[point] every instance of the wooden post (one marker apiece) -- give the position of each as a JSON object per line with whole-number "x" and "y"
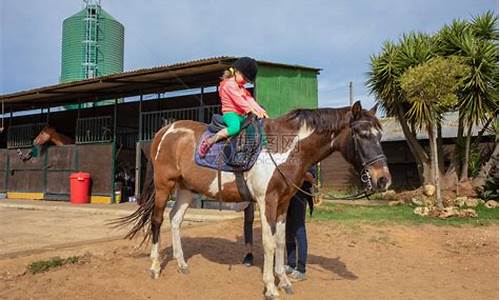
{"x": 138, "y": 155}
{"x": 201, "y": 110}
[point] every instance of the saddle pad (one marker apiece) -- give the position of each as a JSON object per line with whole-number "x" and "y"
{"x": 219, "y": 152}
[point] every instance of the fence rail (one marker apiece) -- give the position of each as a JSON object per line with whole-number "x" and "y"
{"x": 20, "y": 136}
{"x": 152, "y": 121}
{"x": 94, "y": 130}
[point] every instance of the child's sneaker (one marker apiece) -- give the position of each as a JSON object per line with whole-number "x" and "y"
{"x": 297, "y": 276}
{"x": 204, "y": 148}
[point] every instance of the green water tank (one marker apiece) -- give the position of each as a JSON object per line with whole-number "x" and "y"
{"x": 107, "y": 37}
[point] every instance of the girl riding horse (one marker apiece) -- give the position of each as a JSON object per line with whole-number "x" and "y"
{"x": 236, "y": 101}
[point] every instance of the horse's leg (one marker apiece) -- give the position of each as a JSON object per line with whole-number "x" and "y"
{"x": 279, "y": 264}
{"x": 182, "y": 200}
{"x": 269, "y": 245}
{"x": 161, "y": 197}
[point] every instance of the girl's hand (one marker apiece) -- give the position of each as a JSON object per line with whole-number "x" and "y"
{"x": 257, "y": 113}
{"x": 264, "y": 114}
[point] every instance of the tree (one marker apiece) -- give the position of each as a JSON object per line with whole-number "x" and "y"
{"x": 383, "y": 81}
{"x": 477, "y": 43}
{"x": 431, "y": 90}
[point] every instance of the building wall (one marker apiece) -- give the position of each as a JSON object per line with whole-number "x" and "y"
{"x": 281, "y": 89}
{"x": 337, "y": 174}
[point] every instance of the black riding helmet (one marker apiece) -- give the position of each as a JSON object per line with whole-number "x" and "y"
{"x": 247, "y": 66}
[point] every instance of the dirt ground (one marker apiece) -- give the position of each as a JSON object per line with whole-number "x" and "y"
{"x": 345, "y": 262}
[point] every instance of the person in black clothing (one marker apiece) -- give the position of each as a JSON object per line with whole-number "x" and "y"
{"x": 296, "y": 237}
{"x": 248, "y": 233}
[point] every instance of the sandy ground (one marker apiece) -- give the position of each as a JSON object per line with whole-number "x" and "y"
{"x": 345, "y": 262}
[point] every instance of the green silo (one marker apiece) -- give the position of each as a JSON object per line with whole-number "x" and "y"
{"x": 92, "y": 44}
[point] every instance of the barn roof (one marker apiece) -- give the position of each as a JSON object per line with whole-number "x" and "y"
{"x": 393, "y": 132}
{"x": 165, "y": 78}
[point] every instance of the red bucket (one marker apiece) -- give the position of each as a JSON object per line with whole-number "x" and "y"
{"x": 79, "y": 187}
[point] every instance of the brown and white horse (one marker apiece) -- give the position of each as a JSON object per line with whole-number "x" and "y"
{"x": 296, "y": 141}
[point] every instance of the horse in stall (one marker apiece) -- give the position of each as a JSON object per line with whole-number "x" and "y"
{"x": 47, "y": 134}
{"x": 353, "y": 131}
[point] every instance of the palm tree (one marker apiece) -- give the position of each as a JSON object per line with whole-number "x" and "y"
{"x": 430, "y": 89}
{"x": 477, "y": 43}
{"x": 384, "y": 82}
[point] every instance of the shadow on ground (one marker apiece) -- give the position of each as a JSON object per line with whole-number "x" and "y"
{"x": 227, "y": 252}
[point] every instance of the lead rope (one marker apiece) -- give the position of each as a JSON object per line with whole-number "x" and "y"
{"x": 327, "y": 195}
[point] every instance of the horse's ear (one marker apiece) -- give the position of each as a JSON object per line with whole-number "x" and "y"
{"x": 373, "y": 110}
{"x": 356, "y": 110}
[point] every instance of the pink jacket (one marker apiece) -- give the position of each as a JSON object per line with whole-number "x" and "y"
{"x": 236, "y": 98}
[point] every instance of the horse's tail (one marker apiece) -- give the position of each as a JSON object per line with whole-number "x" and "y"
{"x": 141, "y": 217}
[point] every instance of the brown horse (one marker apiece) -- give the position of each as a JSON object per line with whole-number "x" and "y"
{"x": 48, "y": 133}
{"x": 295, "y": 141}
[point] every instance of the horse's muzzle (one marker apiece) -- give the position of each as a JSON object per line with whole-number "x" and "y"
{"x": 383, "y": 183}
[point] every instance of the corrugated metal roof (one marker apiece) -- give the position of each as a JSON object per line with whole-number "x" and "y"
{"x": 449, "y": 127}
{"x": 183, "y": 75}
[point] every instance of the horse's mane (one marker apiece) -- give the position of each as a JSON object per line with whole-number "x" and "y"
{"x": 321, "y": 120}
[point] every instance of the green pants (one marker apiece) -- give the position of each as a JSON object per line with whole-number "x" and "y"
{"x": 233, "y": 122}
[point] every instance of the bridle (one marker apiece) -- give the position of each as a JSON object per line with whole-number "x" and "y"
{"x": 364, "y": 174}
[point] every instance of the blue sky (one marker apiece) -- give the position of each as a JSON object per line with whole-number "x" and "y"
{"x": 337, "y": 36}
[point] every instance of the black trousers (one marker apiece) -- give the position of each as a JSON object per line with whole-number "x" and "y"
{"x": 248, "y": 223}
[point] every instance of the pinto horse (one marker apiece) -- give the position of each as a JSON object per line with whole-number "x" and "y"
{"x": 295, "y": 141}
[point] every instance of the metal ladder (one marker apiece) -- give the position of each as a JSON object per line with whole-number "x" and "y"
{"x": 89, "y": 64}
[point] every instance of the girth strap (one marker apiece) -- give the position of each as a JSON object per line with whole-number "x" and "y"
{"x": 243, "y": 187}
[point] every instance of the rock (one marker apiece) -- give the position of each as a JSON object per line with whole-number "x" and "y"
{"x": 429, "y": 190}
{"x": 422, "y": 211}
{"x": 416, "y": 202}
{"x": 460, "y": 201}
{"x": 389, "y": 195}
{"x": 448, "y": 212}
{"x": 467, "y": 213}
{"x": 480, "y": 201}
{"x": 471, "y": 202}
{"x": 491, "y": 204}
{"x": 429, "y": 202}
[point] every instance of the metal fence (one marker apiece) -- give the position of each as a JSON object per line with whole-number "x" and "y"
{"x": 19, "y": 136}
{"x": 94, "y": 130}
{"x": 210, "y": 110}
{"x": 154, "y": 120}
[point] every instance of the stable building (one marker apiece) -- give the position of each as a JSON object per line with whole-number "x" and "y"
{"x": 111, "y": 140}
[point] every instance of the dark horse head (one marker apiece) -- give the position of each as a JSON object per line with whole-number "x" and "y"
{"x": 354, "y": 132}
{"x": 362, "y": 148}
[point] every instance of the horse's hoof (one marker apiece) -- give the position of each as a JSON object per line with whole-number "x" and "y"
{"x": 154, "y": 274}
{"x": 272, "y": 297}
{"x": 288, "y": 289}
{"x": 183, "y": 270}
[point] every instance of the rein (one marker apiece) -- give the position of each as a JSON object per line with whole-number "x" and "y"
{"x": 363, "y": 194}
